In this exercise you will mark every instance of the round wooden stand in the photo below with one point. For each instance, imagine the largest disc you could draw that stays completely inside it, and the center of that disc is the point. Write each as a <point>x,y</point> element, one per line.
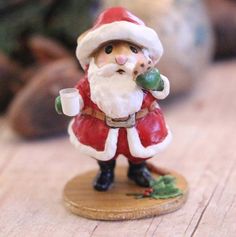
<point>81,199</point>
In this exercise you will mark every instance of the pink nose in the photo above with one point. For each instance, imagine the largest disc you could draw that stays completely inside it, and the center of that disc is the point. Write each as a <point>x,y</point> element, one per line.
<point>121,59</point>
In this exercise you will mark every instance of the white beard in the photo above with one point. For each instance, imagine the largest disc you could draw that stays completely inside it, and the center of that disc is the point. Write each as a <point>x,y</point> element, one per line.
<point>117,95</point>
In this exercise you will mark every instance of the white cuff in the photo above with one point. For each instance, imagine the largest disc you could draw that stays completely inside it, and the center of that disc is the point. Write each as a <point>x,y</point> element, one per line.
<point>165,92</point>
<point>81,101</point>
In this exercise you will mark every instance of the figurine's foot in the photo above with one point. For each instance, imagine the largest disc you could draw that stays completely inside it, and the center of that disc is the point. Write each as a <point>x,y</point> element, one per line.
<point>103,181</point>
<point>105,177</point>
<point>140,174</point>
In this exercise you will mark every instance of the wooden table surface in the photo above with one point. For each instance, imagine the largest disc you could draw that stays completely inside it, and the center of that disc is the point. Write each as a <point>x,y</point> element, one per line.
<point>33,174</point>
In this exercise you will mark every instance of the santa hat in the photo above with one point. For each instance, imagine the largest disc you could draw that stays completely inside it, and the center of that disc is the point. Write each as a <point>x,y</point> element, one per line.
<point>118,24</point>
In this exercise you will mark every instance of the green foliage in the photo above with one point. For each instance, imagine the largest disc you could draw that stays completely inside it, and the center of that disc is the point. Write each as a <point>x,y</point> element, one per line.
<point>18,20</point>
<point>71,17</point>
<point>162,188</point>
<point>64,20</point>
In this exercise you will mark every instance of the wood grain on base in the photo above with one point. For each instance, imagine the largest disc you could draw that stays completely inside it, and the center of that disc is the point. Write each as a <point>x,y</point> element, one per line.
<point>81,199</point>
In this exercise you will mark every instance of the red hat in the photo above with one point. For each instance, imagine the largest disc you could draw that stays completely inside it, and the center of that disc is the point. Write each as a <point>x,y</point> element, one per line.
<point>118,24</point>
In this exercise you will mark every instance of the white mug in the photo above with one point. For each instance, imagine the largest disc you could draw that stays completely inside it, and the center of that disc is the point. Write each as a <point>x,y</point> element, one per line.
<point>70,101</point>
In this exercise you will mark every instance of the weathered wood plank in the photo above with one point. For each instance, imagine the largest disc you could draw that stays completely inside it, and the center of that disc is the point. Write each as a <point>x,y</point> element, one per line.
<point>203,150</point>
<point>207,160</point>
<point>33,186</point>
<point>8,145</point>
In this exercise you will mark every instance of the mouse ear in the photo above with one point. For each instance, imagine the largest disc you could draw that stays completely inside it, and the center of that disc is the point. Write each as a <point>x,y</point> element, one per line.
<point>147,55</point>
<point>151,61</point>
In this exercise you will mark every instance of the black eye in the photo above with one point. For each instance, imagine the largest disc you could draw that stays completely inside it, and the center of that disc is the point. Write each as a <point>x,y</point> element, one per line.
<point>133,49</point>
<point>108,49</point>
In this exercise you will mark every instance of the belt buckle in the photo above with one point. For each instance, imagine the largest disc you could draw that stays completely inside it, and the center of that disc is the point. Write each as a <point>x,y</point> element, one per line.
<point>114,123</point>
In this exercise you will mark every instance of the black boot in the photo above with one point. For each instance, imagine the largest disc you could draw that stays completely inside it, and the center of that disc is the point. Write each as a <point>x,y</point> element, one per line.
<point>140,174</point>
<point>105,177</point>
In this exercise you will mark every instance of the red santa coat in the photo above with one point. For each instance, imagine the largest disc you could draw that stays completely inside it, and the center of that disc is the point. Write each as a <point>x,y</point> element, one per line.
<point>94,138</point>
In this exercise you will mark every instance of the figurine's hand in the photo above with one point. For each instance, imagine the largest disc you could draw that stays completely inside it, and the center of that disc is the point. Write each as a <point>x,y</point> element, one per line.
<point>58,106</point>
<point>150,80</point>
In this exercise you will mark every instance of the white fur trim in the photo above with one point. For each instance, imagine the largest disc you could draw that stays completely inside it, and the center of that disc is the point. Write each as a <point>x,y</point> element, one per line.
<point>110,145</point>
<point>120,30</point>
<point>138,150</point>
<point>165,92</point>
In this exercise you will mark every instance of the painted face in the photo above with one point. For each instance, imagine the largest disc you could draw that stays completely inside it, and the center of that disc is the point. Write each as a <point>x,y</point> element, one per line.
<point>122,53</point>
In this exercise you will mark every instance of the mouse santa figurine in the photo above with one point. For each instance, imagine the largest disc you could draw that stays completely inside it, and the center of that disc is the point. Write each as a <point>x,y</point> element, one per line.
<point>115,105</point>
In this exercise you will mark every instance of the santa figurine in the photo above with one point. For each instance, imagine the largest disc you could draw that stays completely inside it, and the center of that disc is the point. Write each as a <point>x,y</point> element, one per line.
<point>115,105</point>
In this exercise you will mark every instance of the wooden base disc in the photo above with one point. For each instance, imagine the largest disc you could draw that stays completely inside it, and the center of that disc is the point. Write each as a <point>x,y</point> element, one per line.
<point>81,199</point>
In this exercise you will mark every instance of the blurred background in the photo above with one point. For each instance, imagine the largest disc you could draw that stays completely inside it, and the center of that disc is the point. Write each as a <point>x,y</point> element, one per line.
<point>38,41</point>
